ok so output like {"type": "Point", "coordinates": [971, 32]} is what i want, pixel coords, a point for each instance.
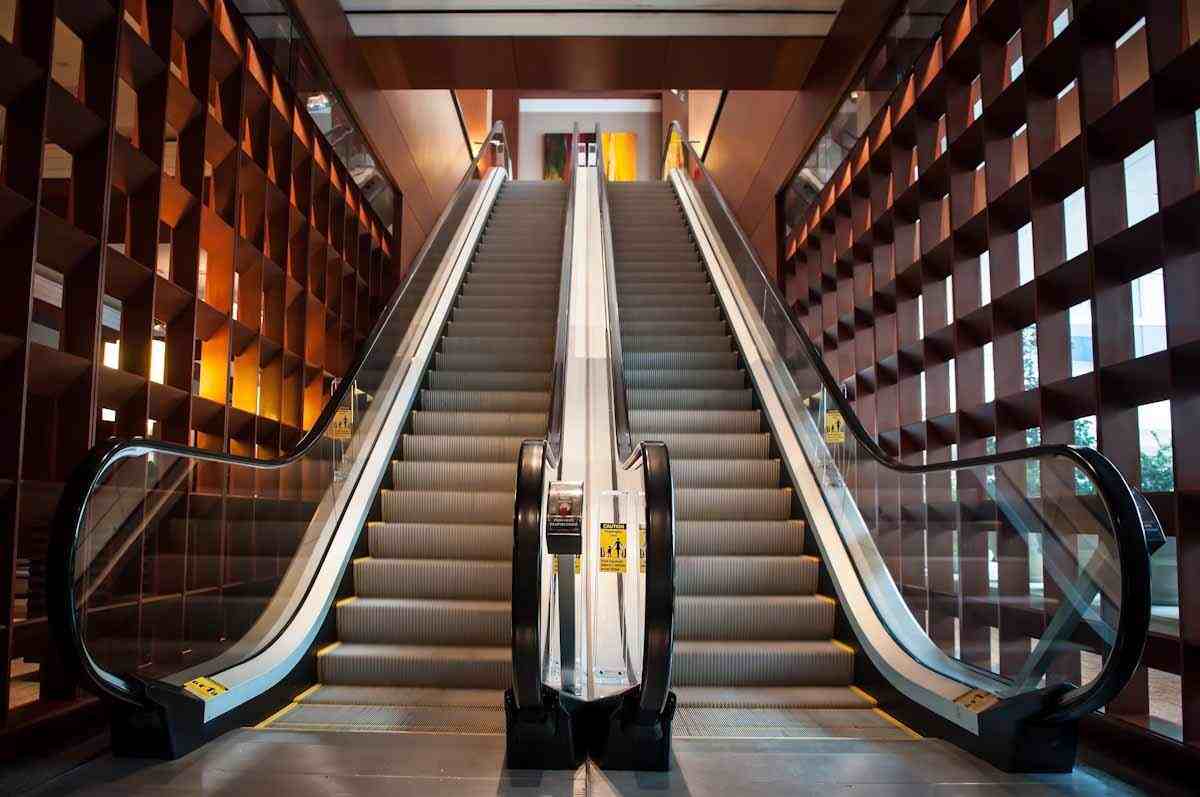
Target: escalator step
{"type": "Point", "coordinates": [762, 663]}
{"type": "Point", "coordinates": [529, 424]}
{"type": "Point", "coordinates": [689, 399]}
{"type": "Point", "coordinates": [454, 475]}
{"type": "Point", "coordinates": [455, 667]}
{"type": "Point", "coordinates": [460, 448]}
{"type": "Point", "coordinates": [407, 621]}
{"type": "Point", "coordinates": [746, 575]}
{"type": "Point", "coordinates": [695, 421]}
{"type": "Point", "coordinates": [474, 541]}
{"type": "Point", "coordinates": [446, 506]}
{"type": "Point", "coordinates": [694, 473]}
{"type": "Point", "coordinates": [733, 617]}
{"type": "Point", "coordinates": [521, 401]}
{"type": "Point", "coordinates": [698, 538]}
{"type": "Point", "coordinates": [733, 504]}
{"type": "Point", "coordinates": [433, 578]}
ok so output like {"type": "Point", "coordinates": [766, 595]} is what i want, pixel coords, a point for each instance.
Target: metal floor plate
{"type": "Point", "coordinates": [786, 723]}
{"type": "Point", "coordinates": [391, 719]}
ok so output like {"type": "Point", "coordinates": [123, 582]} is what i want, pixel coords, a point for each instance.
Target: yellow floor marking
{"type": "Point", "coordinates": [827, 598]}
{"type": "Point", "coordinates": [842, 645]}
{"type": "Point", "coordinates": [278, 715]}
{"type": "Point", "coordinates": [864, 695]}
{"type": "Point", "coordinates": [346, 601]}
{"type": "Point", "coordinates": [897, 723]}
{"type": "Point", "coordinates": [325, 651]}
{"type": "Point", "coordinates": [309, 692]}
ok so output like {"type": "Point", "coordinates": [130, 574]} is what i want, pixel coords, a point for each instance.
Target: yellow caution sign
{"type": "Point", "coordinates": [835, 429]}
{"type": "Point", "coordinates": [614, 547]}
{"type": "Point", "coordinates": [342, 426]}
{"type": "Point", "coordinates": [577, 565]}
{"type": "Point", "coordinates": [641, 549]}
{"type": "Point", "coordinates": [205, 688]}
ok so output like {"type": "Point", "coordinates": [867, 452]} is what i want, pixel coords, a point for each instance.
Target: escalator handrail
{"type": "Point", "coordinates": [533, 460]}
{"type": "Point", "coordinates": [1130, 528]}
{"type": "Point", "coordinates": [71, 512]}
{"type": "Point", "coordinates": [658, 641]}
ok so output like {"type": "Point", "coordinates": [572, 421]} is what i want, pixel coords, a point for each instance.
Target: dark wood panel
{"type": "Point", "coordinates": [482, 62]}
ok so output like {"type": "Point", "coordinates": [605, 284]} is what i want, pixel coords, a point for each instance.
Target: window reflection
{"type": "Point", "coordinates": [284, 42]}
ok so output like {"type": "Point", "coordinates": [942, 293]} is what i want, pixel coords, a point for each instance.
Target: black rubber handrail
{"type": "Point", "coordinates": [533, 460]}
{"type": "Point", "coordinates": [71, 512]}
{"type": "Point", "coordinates": [1132, 515]}
{"type": "Point", "coordinates": [659, 638]}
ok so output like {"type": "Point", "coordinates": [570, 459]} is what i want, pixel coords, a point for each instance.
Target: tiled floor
{"type": "Point", "coordinates": [282, 763]}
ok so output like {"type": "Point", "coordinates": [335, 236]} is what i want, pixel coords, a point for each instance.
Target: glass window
{"type": "Point", "coordinates": [985, 278]}
{"type": "Point", "coordinates": [924, 412]}
{"type": "Point", "coordinates": [1061, 21]}
{"type": "Point", "coordinates": [1129, 34]}
{"type": "Point", "coordinates": [1149, 314]}
{"type": "Point", "coordinates": [1141, 184]}
{"type": "Point", "coordinates": [989, 374]}
{"type": "Point", "coordinates": [920, 316]}
{"type": "Point", "coordinates": [1025, 253]}
{"type": "Point", "coordinates": [1029, 356]}
{"type": "Point", "coordinates": [953, 388]}
{"type": "Point", "coordinates": [1075, 223]}
{"type": "Point", "coordinates": [1079, 319]}
{"type": "Point", "coordinates": [949, 288]}
{"type": "Point", "coordinates": [1154, 443]}
{"type": "Point", "coordinates": [1033, 467]}
{"type": "Point", "coordinates": [1084, 434]}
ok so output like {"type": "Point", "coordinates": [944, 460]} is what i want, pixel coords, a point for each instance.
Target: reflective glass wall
{"type": "Point", "coordinates": [294, 56]}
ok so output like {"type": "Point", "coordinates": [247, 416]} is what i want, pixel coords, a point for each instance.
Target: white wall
{"type": "Point", "coordinates": [648, 127]}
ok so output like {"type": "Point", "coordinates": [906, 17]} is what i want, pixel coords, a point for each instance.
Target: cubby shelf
{"type": "Point", "coordinates": [188, 260]}
{"type": "Point", "coordinates": [1039, 156]}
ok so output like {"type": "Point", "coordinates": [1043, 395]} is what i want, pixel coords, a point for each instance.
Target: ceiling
{"type": "Point", "coordinates": [591, 44]}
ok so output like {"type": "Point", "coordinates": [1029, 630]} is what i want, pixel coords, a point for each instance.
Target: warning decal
{"type": "Point", "coordinates": [835, 431]}
{"type": "Point", "coordinates": [614, 547]}
{"type": "Point", "coordinates": [342, 426]}
{"type": "Point", "coordinates": [205, 688]}
{"type": "Point", "coordinates": [641, 549]}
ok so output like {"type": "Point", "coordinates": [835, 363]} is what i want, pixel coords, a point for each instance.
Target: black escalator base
{"type": "Point", "coordinates": [545, 737]}
{"type": "Point", "coordinates": [628, 742]}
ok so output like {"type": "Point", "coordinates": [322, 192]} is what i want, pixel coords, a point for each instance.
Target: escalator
{"type": "Point", "coordinates": [363, 580]}
{"type": "Point", "coordinates": [818, 571]}
{"type": "Point", "coordinates": [423, 641]}
{"type": "Point", "coordinates": [752, 628]}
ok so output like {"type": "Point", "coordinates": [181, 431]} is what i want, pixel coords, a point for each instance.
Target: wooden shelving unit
{"type": "Point", "coordinates": [945, 237]}
{"type": "Point", "coordinates": [185, 259]}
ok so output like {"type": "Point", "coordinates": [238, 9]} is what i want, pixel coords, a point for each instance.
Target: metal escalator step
{"type": "Point", "coordinates": [454, 475]}
{"type": "Point", "coordinates": [491, 316]}
{"type": "Point", "coordinates": [538, 345]}
{"type": "Point", "coordinates": [494, 361]}
{"type": "Point", "coordinates": [690, 300]}
{"type": "Point", "coordinates": [634, 279]}
{"type": "Point", "coordinates": [489, 380]}
{"type": "Point", "coordinates": [738, 537]}
{"type": "Point", "coordinates": [530, 424]}
{"type": "Point", "coordinates": [811, 697]}
{"type": "Point", "coordinates": [485, 400]}
{"type": "Point", "coordinates": [713, 446]}
{"type": "Point", "coordinates": [678, 360]}
{"type": "Point", "coordinates": [669, 314]}
{"type": "Point", "coordinates": [733, 504]}
{"type": "Point", "coordinates": [746, 575]}
{"type": "Point", "coordinates": [695, 421]}
{"type": "Point", "coordinates": [446, 506]}
{"type": "Point", "coordinates": [483, 279]}
{"type": "Point", "coordinates": [762, 663]}
{"type": "Point", "coordinates": [693, 473]}
{"type": "Point", "coordinates": [518, 286]}
{"type": "Point", "coordinates": [727, 379]}
{"type": "Point", "coordinates": [517, 264]}
{"type": "Point", "coordinates": [669, 291]}
{"type": "Point", "coordinates": [408, 621]}
{"type": "Point", "coordinates": [460, 448]}
{"type": "Point", "coordinates": [474, 541]}
{"type": "Point", "coordinates": [733, 617]}
{"type": "Point", "coordinates": [478, 667]}
{"type": "Point", "coordinates": [411, 696]}
{"type": "Point", "coordinates": [687, 328]}
{"type": "Point", "coordinates": [636, 343]}
{"type": "Point", "coordinates": [433, 578]}
{"type": "Point", "coordinates": [515, 301]}
{"type": "Point", "coordinates": [684, 399]}
{"type": "Point", "coordinates": [514, 329]}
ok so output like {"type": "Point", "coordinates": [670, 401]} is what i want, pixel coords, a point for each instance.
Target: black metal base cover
{"type": "Point", "coordinates": [628, 742]}
{"type": "Point", "coordinates": [546, 737]}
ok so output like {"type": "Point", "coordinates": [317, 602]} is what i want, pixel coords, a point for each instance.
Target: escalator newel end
{"type": "Point", "coordinates": [633, 743]}
{"type": "Point", "coordinates": [541, 737]}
